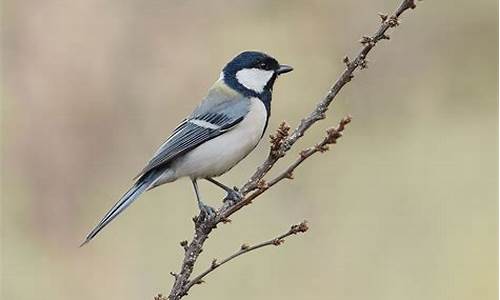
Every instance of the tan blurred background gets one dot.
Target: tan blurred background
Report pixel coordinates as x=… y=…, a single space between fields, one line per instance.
x=405 y=207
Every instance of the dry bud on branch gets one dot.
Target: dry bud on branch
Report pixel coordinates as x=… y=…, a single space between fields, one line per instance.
x=299 y=228
x=184 y=245
x=277 y=140
x=294 y=229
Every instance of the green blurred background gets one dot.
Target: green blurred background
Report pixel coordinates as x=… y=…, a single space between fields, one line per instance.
x=404 y=207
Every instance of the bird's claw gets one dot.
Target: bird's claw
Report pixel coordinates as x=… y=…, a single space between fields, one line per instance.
x=207 y=212
x=233 y=196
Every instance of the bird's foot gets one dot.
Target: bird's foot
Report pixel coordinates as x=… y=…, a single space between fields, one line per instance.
x=207 y=212
x=233 y=196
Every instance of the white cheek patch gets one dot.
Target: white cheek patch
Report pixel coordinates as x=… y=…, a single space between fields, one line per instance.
x=254 y=79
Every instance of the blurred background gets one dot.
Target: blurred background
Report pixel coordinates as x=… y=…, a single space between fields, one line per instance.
x=404 y=207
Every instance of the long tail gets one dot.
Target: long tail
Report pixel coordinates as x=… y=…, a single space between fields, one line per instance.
x=135 y=191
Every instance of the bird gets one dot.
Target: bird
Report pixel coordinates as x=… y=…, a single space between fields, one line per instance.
x=221 y=131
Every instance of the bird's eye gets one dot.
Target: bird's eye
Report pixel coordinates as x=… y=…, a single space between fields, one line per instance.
x=262 y=65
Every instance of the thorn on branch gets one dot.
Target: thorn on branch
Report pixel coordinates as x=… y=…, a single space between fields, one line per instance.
x=244 y=247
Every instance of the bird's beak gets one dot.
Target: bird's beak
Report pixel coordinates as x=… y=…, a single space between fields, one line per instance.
x=284 y=69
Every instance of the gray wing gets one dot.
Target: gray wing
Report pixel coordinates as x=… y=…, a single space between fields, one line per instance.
x=205 y=123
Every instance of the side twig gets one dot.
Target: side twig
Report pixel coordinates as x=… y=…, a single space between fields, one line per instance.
x=294 y=229
x=332 y=135
x=319 y=112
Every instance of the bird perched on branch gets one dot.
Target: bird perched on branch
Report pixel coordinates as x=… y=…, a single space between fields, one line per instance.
x=221 y=131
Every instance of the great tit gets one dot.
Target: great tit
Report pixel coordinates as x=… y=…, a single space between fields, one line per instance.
x=221 y=131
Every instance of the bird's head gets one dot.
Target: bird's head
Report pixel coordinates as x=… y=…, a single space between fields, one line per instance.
x=253 y=73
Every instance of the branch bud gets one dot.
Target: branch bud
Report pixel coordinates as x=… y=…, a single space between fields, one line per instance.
x=346 y=61
x=393 y=21
x=214 y=264
x=277 y=242
x=383 y=16
x=367 y=40
x=160 y=297
x=299 y=228
x=184 y=244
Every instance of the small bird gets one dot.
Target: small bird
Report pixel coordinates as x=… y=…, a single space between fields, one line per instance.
x=221 y=131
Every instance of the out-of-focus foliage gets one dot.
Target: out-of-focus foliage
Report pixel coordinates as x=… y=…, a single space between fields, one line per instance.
x=404 y=207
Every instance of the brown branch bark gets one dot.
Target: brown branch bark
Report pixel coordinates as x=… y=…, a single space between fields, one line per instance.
x=294 y=229
x=281 y=143
x=319 y=112
x=332 y=135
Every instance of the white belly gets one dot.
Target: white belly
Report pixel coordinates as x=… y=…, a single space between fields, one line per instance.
x=219 y=155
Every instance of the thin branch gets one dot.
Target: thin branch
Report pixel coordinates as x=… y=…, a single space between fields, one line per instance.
x=281 y=143
x=294 y=229
x=319 y=112
x=332 y=135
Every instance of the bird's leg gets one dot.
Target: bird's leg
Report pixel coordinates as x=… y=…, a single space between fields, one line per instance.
x=232 y=193
x=205 y=210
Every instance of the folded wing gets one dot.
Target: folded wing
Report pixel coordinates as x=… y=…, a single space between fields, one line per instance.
x=203 y=125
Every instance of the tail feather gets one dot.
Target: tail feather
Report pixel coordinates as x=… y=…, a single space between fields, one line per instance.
x=128 y=198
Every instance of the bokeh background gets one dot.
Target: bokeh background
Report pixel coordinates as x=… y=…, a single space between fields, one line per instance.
x=404 y=207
